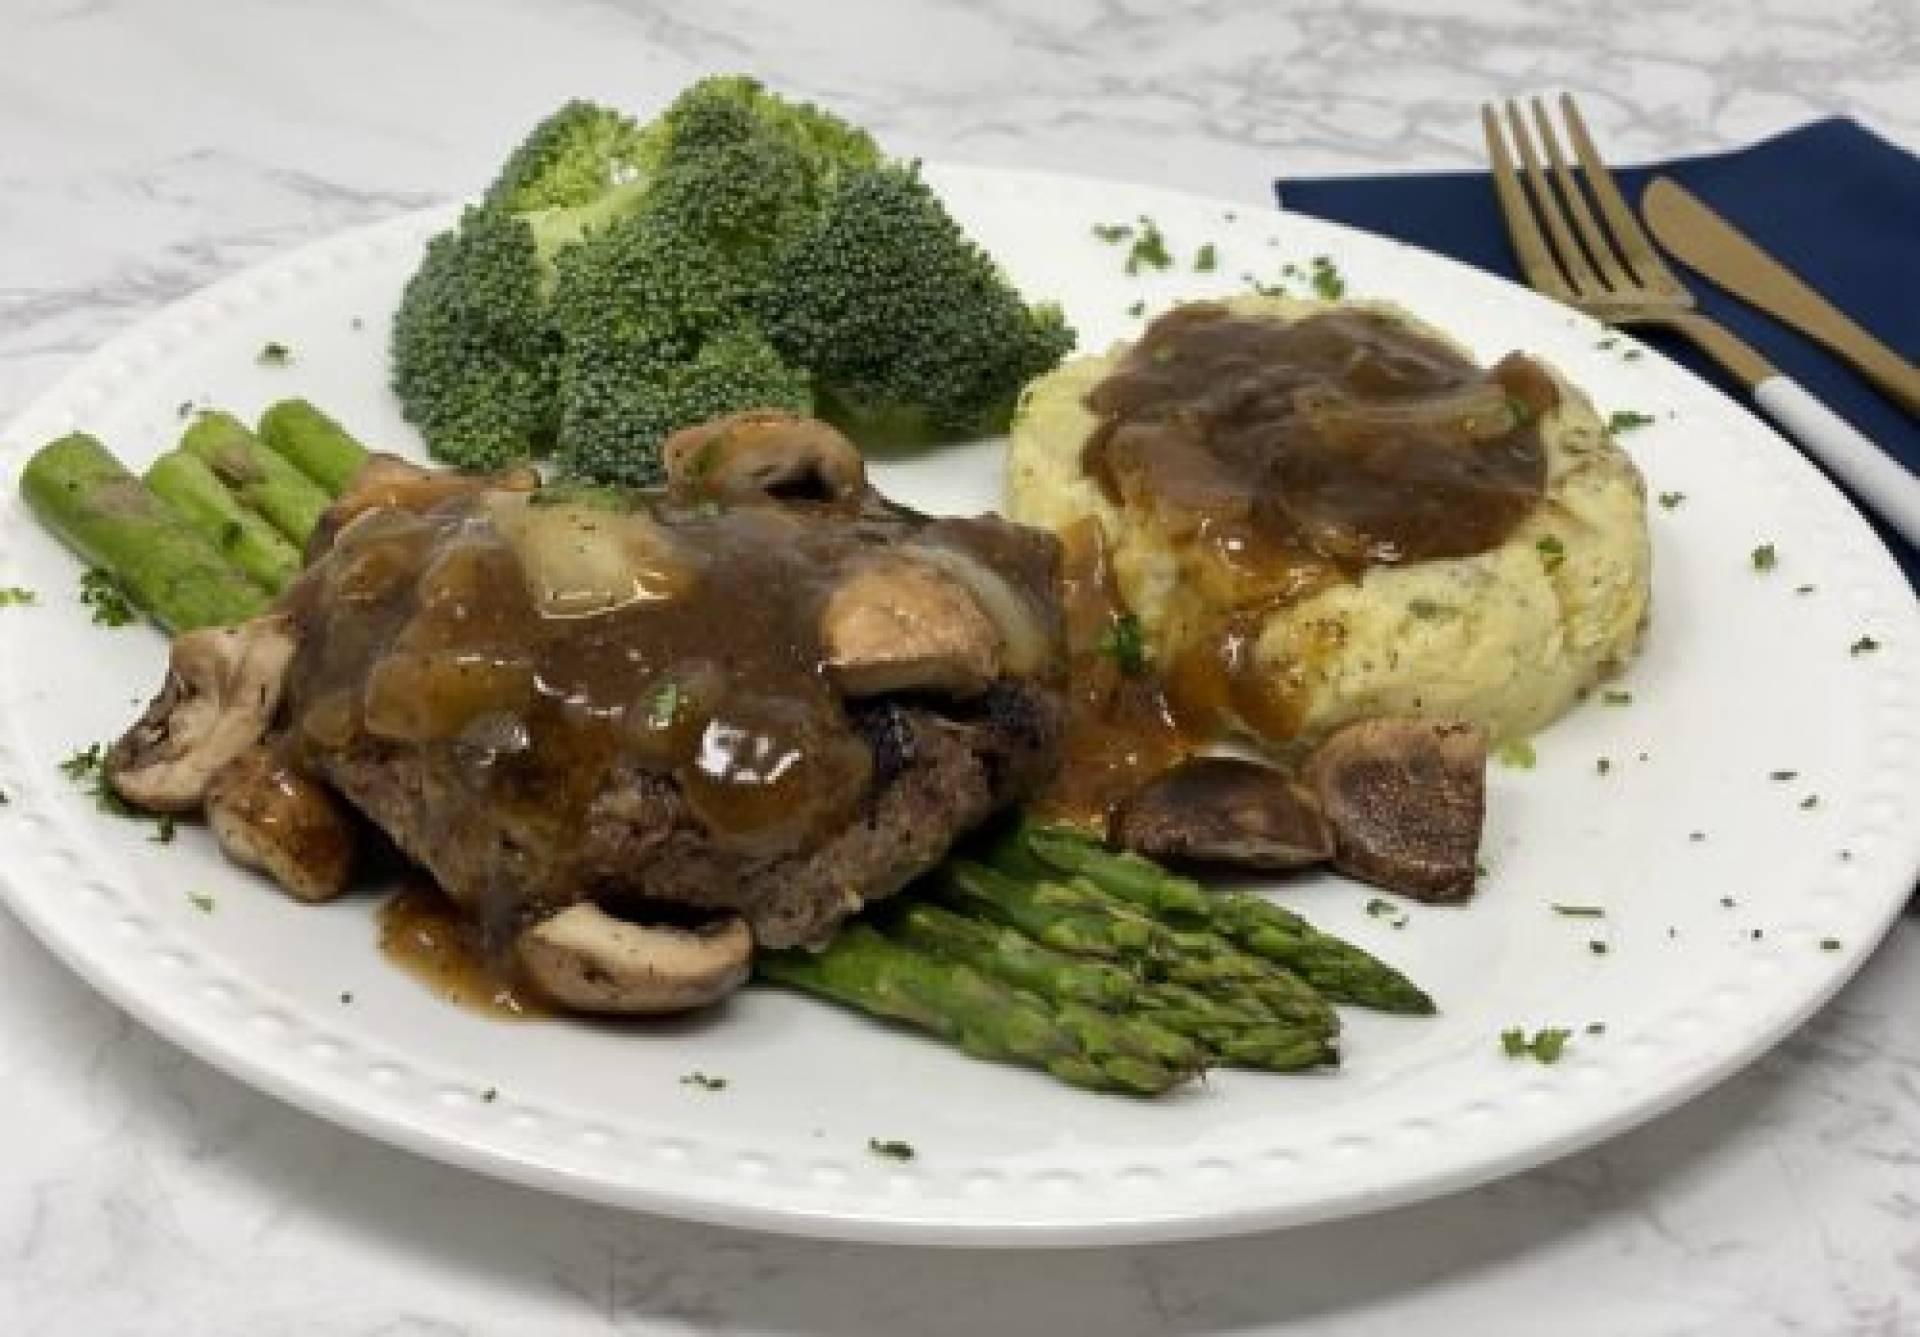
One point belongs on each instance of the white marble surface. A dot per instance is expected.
(146, 149)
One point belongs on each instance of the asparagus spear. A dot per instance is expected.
(313, 443)
(1057, 915)
(113, 520)
(1338, 969)
(289, 500)
(186, 484)
(986, 1018)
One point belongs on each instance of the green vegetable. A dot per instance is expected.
(909, 329)
(1149, 250)
(17, 596)
(892, 1148)
(1552, 553)
(1765, 558)
(1012, 957)
(187, 485)
(275, 354)
(1207, 259)
(1669, 500)
(1626, 420)
(87, 498)
(1124, 642)
(1866, 645)
(1326, 279)
(105, 597)
(1336, 968)
(261, 479)
(313, 443)
(986, 1018)
(1545, 1045)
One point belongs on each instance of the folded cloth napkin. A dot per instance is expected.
(1832, 201)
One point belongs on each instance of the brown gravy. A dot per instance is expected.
(1278, 459)
(426, 935)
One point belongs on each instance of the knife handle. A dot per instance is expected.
(1876, 478)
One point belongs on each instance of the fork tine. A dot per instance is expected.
(1536, 261)
(1635, 246)
(1592, 235)
(1572, 259)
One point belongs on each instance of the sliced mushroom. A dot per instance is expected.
(269, 816)
(764, 452)
(896, 624)
(585, 959)
(1406, 798)
(389, 481)
(1225, 809)
(223, 686)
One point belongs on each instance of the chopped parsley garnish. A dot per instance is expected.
(1829, 944)
(16, 596)
(1728, 901)
(1632, 354)
(1326, 280)
(1552, 552)
(1207, 260)
(202, 901)
(1803, 589)
(1765, 558)
(1626, 420)
(1697, 837)
(106, 596)
(164, 830)
(663, 705)
(490, 1095)
(1596, 1028)
(1669, 500)
(1125, 643)
(1613, 696)
(1379, 908)
(1519, 754)
(1866, 645)
(892, 1148)
(1545, 1045)
(1149, 249)
(1782, 776)
(183, 409)
(1112, 233)
(273, 353)
(1597, 947)
(1137, 309)
(346, 997)
(1580, 911)
(83, 765)
(1756, 935)
(1810, 801)
(1602, 764)
(1427, 609)
(704, 1082)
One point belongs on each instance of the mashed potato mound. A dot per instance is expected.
(1509, 637)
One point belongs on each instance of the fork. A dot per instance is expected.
(1605, 265)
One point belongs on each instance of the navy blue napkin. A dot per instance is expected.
(1832, 201)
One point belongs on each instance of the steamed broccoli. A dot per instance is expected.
(617, 413)
(620, 281)
(911, 332)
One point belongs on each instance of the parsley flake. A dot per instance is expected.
(1580, 911)
(1626, 420)
(273, 353)
(202, 901)
(1782, 776)
(17, 596)
(1125, 643)
(164, 830)
(1552, 552)
(1810, 801)
(892, 1148)
(1112, 233)
(1596, 1028)
(1137, 310)
(704, 1082)
(1545, 1045)
(1602, 764)
(1669, 500)
(1149, 249)
(1326, 279)
(663, 705)
(106, 596)
(1866, 645)
(1615, 697)
(1829, 944)
(1764, 558)
(1597, 947)
(1803, 589)
(1207, 259)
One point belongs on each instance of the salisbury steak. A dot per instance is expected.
(765, 691)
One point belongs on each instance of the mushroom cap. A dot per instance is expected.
(898, 623)
(387, 481)
(585, 959)
(268, 816)
(222, 688)
(1406, 798)
(1225, 809)
(764, 452)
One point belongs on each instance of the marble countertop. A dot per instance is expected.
(146, 150)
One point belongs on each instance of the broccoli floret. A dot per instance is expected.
(908, 327)
(475, 357)
(574, 158)
(727, 109)
(616, 415)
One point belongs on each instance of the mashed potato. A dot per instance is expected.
(1508, 637)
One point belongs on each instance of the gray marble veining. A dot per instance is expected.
(146, 150)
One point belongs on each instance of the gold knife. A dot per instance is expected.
(1705, 241)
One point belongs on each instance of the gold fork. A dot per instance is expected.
(1610, 270)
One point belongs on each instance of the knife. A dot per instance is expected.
(1708, 243)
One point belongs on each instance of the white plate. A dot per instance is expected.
(1743, 677)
